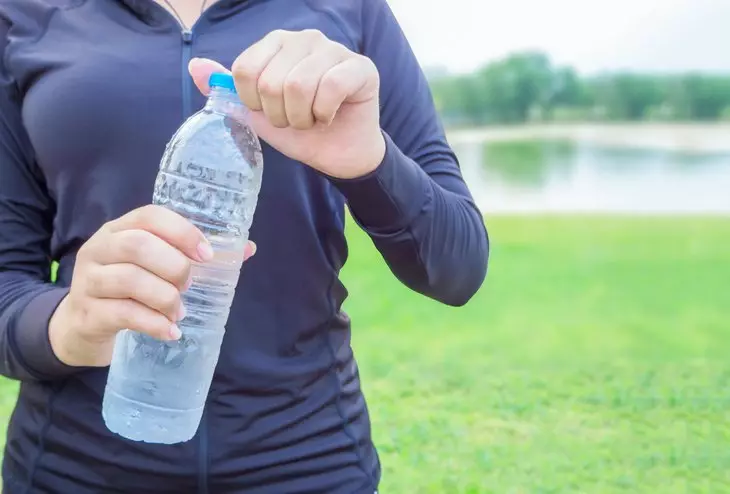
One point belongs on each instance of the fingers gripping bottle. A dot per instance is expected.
(211, 174)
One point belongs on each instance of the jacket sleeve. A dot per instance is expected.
(27, 298)
(415, 206)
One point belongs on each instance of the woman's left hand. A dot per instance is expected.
(311, 98)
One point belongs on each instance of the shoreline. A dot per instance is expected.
(680, 137)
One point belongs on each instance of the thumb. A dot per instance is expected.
(200, 70)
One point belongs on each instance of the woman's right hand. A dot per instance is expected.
(130, 274)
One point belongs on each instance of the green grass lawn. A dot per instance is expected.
(594, 360)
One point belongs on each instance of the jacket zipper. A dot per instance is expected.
(203, 454)
(187, 51)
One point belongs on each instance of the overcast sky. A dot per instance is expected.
(591, 35)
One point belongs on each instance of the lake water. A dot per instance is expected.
(573, 175)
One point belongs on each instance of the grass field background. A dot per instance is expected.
(594, 360)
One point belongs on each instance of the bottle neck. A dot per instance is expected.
(223, 100)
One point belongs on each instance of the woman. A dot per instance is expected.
(90, 92)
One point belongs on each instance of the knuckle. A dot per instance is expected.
(301, 121)
(145, 214)
(84, 253)
(321, 113)
(147, 209)
(185, 273)
(125, 281)
(333, 84)
(279, 121)
(242, 71)
(340, 50)
(179, 268)
(131, 244)
(105, 228)
(278, 34)
(95, 281)
(314, 34)
(366, 62)
(170, 299)
(138, 319)
(155, 324)
(297, 86)
(89, 250)
(301, 124)
(126, 318)
(268, 87)
(370, 68)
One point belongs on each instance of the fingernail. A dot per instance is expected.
(182, 312)
(205, 251)
(253, 248)
(175, 332)
(188, 283)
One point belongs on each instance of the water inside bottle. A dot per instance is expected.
(211, 174)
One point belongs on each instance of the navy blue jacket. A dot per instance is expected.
(90, 92)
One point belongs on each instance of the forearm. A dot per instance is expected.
(432, 236)
(26, 306)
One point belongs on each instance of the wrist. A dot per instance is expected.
(368, 161)
(388, 199)
(57, 331)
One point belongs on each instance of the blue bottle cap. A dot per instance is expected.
(220, 79)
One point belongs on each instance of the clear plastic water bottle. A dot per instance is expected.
(211, 174)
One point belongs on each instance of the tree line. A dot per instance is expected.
(526, 87)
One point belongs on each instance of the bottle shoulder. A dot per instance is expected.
(217, 139)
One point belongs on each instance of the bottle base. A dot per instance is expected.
(148, 423)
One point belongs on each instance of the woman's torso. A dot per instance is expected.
(104, 85)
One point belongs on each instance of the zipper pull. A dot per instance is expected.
(187, 37)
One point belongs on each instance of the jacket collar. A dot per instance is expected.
(152, 13)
